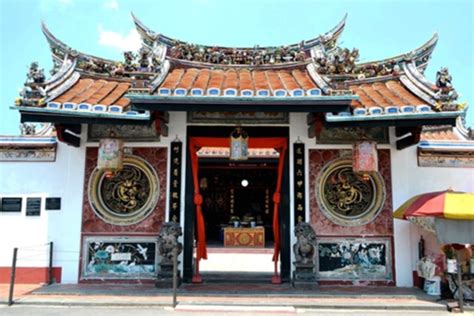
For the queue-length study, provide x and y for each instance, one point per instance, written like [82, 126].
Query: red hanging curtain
[195, 143]
[201, 252]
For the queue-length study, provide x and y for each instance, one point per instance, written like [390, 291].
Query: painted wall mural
[119, 257]
[354, 259]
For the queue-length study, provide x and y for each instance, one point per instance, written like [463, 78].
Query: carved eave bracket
[407, 136]
[69, 134]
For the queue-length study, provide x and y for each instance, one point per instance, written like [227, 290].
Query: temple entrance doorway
[238, 215]
[237, 212]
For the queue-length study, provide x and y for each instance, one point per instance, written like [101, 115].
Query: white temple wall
[62, 178]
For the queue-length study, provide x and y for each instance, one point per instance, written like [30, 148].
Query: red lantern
[365, 158]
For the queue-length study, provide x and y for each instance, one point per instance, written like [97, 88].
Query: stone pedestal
[165, 277]
[304, 276]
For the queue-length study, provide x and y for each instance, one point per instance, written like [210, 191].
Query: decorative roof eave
[29, 114]
[65, 71]
[411, 119]
[150, 36]
[419, 56]
[28, 148]
[238, 104]
[27, 141]
[322, 82]
[158, 80]
[60, 50]
[445, 146]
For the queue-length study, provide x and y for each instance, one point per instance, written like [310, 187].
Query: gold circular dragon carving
[346, 198]
[129, 196]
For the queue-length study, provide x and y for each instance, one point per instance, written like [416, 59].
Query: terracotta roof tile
[116, 94]
[173, 79]
[239, 79]
[71, 93]
[260, 80]
[303, 79]
[383, 94]
[374, 95]
[88, 92]
[288, 80]
[202, 79]
[442, 134]
[388, 94]
[231, 80]
[188, 78]
[96, 91]
[216, 80]
[103, 92]
[407, 97]
[274, 80]
[363, 97]
[246, 80]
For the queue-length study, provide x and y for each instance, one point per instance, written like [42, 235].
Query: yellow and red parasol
[447, 204]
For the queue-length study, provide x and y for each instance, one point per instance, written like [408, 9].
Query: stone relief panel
[346, 198]
[146, 213]
[382, 223]
[128, 196]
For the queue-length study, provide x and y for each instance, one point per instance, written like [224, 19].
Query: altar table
[253, 237]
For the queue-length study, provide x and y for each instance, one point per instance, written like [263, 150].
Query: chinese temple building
[298, 149]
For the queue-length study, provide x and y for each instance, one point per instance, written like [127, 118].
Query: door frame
[189, 207]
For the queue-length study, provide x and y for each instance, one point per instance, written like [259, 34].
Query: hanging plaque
[299, 186]
[175, 182]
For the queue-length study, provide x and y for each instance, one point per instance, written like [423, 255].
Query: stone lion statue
[305, 245]
[168, 240]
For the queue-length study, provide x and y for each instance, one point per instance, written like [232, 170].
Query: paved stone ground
[22, 310]
[20, 290]
[213, 297]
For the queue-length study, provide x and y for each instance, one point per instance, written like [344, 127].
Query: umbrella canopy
[444, 204]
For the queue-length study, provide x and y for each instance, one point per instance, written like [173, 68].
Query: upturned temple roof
[166, 74]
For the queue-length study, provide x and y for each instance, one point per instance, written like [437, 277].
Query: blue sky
[380, 29]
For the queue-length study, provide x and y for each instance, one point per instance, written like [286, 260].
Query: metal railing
[14, 266]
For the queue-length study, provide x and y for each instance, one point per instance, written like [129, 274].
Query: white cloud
[111, 5]
[120, 42]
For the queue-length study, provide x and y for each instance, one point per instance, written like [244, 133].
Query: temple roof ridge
[421, 54]
[327, 39]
